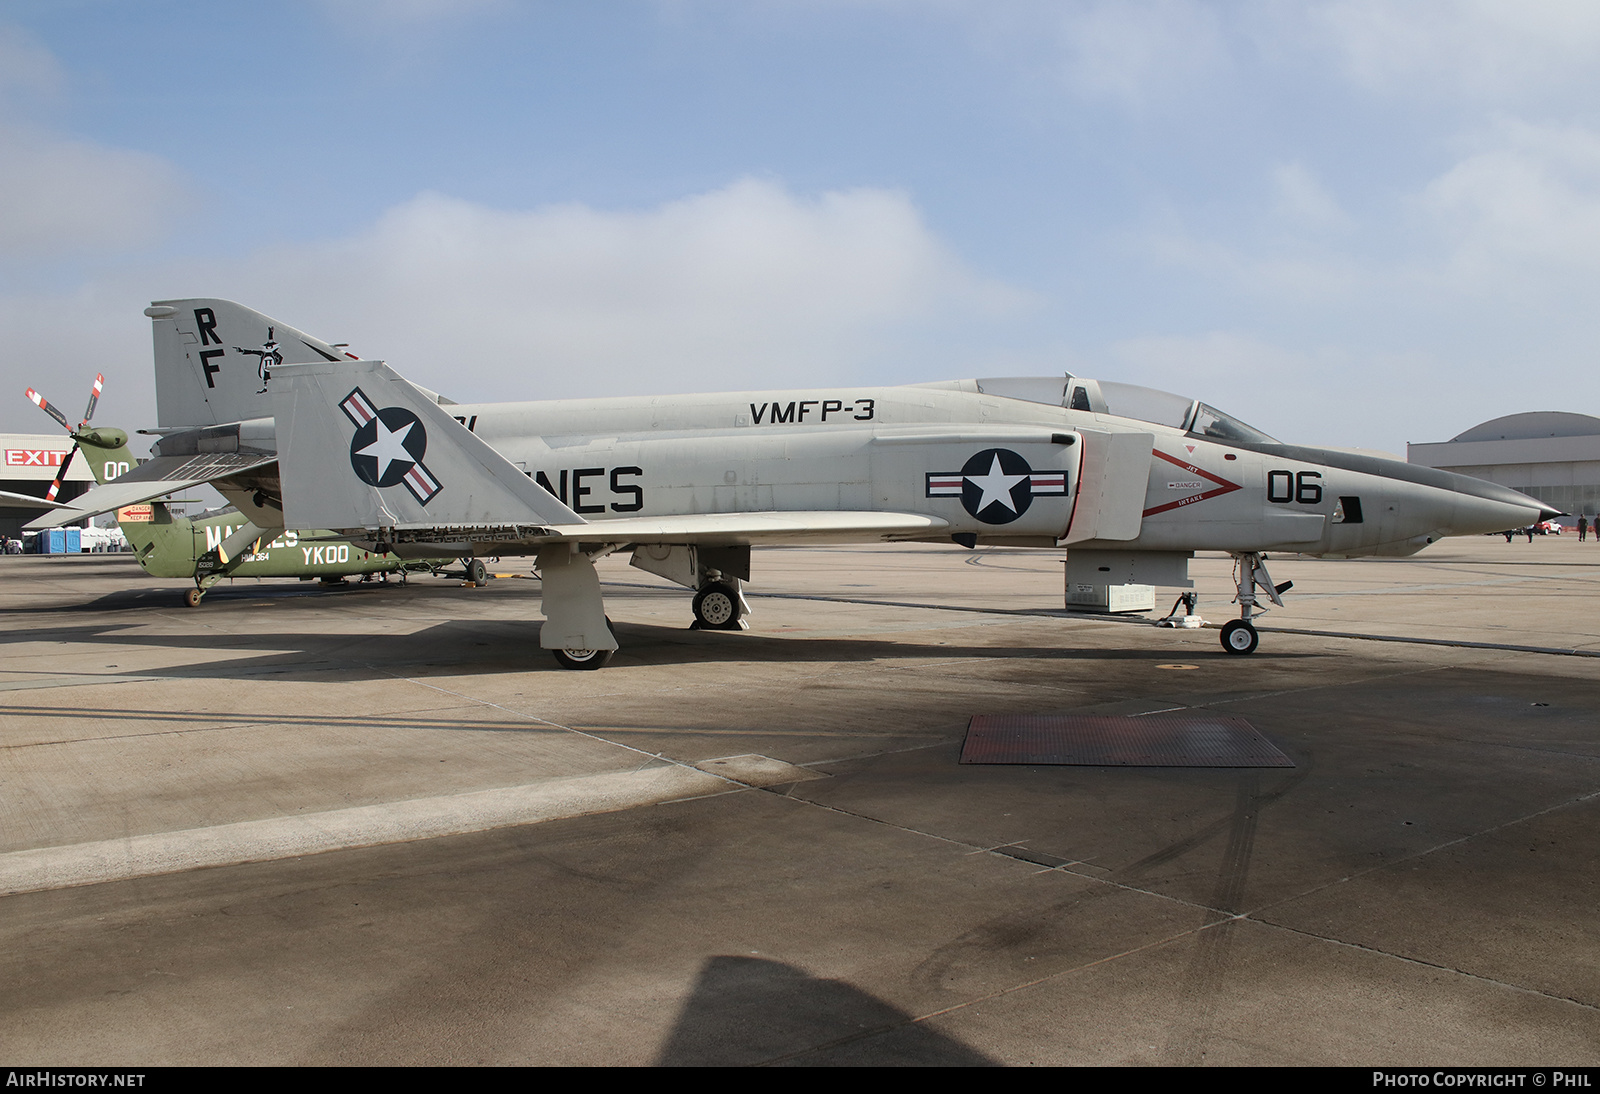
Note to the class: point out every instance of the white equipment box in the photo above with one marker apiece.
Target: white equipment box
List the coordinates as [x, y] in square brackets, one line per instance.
[1111, 598]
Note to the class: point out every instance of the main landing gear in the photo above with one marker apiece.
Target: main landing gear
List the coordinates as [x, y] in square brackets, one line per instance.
[576, 630]
[1239, 636]
[720, 606]
[582, 659]
[586, 659]
[716, 574]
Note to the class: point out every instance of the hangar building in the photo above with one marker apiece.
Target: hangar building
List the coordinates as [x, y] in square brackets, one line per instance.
[1552, 455]
[28, 464]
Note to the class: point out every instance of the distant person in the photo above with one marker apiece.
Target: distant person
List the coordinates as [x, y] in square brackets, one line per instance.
[1583, 529]
[1509, 533]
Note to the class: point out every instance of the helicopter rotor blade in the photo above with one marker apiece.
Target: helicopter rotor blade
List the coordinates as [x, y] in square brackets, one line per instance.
[44, 404]
[61, 476]
[94, 397]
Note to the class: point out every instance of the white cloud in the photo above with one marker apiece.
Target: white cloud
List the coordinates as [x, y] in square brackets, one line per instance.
[57, 342]
[64, 196]
[749, 285]
[25, 64]
[1293, 252]
[1139, 52]
[1456, 47]
[1229, 369]
[1524, 203]
[1302, 202]
[60, 196]
[1516, 215]
[1135, 53]
[1302, 395]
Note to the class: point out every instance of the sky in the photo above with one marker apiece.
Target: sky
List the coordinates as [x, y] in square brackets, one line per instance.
[1345, 222]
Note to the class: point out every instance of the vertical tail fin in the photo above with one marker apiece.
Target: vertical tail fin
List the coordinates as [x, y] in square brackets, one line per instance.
[211, 357]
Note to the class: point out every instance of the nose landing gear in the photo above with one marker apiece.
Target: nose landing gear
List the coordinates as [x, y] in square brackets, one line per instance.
[1239, 636]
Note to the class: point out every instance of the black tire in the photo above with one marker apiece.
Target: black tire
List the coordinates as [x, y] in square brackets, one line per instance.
[582, 659]
[716, 607]
[477, 572]
[192, 598]
[1239, 637]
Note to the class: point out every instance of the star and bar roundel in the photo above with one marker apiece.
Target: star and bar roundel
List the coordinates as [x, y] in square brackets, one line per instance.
[996, 485]
[388, 447]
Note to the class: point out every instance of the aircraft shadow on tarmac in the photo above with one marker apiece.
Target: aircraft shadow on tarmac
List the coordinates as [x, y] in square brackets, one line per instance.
[156, 599]
[469, 646]
[751, 1010]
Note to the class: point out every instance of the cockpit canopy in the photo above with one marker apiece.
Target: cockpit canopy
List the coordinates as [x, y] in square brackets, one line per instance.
[1143, 404]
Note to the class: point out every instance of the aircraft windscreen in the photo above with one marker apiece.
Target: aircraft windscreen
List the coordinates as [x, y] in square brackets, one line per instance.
[1211, 422]
[1034, 389]
[1146, 404]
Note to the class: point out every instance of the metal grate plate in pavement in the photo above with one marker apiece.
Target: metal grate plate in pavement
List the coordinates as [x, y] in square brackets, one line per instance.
[1185, 738]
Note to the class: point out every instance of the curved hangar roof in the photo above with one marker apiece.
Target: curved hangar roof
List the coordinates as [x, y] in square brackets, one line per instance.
[1532, 426]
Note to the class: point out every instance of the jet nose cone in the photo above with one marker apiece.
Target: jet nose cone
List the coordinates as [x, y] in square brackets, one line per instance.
[1475, 516]
[1488, 509]
[1476, 506]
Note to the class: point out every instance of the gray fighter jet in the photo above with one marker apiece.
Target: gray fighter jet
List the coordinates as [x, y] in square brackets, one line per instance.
[1130, 480]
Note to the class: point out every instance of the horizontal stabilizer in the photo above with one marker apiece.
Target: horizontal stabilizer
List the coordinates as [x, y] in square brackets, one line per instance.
[9, 500]
[155, 478]
[360, 447]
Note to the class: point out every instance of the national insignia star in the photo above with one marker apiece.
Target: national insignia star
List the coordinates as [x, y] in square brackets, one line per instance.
[388, 447]
[996, 486]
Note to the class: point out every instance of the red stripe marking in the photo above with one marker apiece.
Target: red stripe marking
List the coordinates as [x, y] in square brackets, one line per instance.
[358, 409]
[422, 482]
[1223, 485]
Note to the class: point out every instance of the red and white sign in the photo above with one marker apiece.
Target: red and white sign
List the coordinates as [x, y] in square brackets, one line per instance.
[34, 457]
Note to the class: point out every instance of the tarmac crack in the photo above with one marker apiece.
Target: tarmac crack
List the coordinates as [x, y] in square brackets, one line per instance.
[1409, 960]
[1435, 849]
[542, 721]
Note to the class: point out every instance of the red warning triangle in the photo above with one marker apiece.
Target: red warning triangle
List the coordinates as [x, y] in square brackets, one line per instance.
[1223, 485]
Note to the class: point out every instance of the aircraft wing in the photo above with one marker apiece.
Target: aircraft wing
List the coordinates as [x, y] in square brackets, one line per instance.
[727, 529]
[705, 529]
[153, 479]
[9, 500]
[772, 529]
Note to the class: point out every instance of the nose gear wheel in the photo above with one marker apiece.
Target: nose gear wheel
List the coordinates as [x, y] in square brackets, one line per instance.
[1239, 637]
